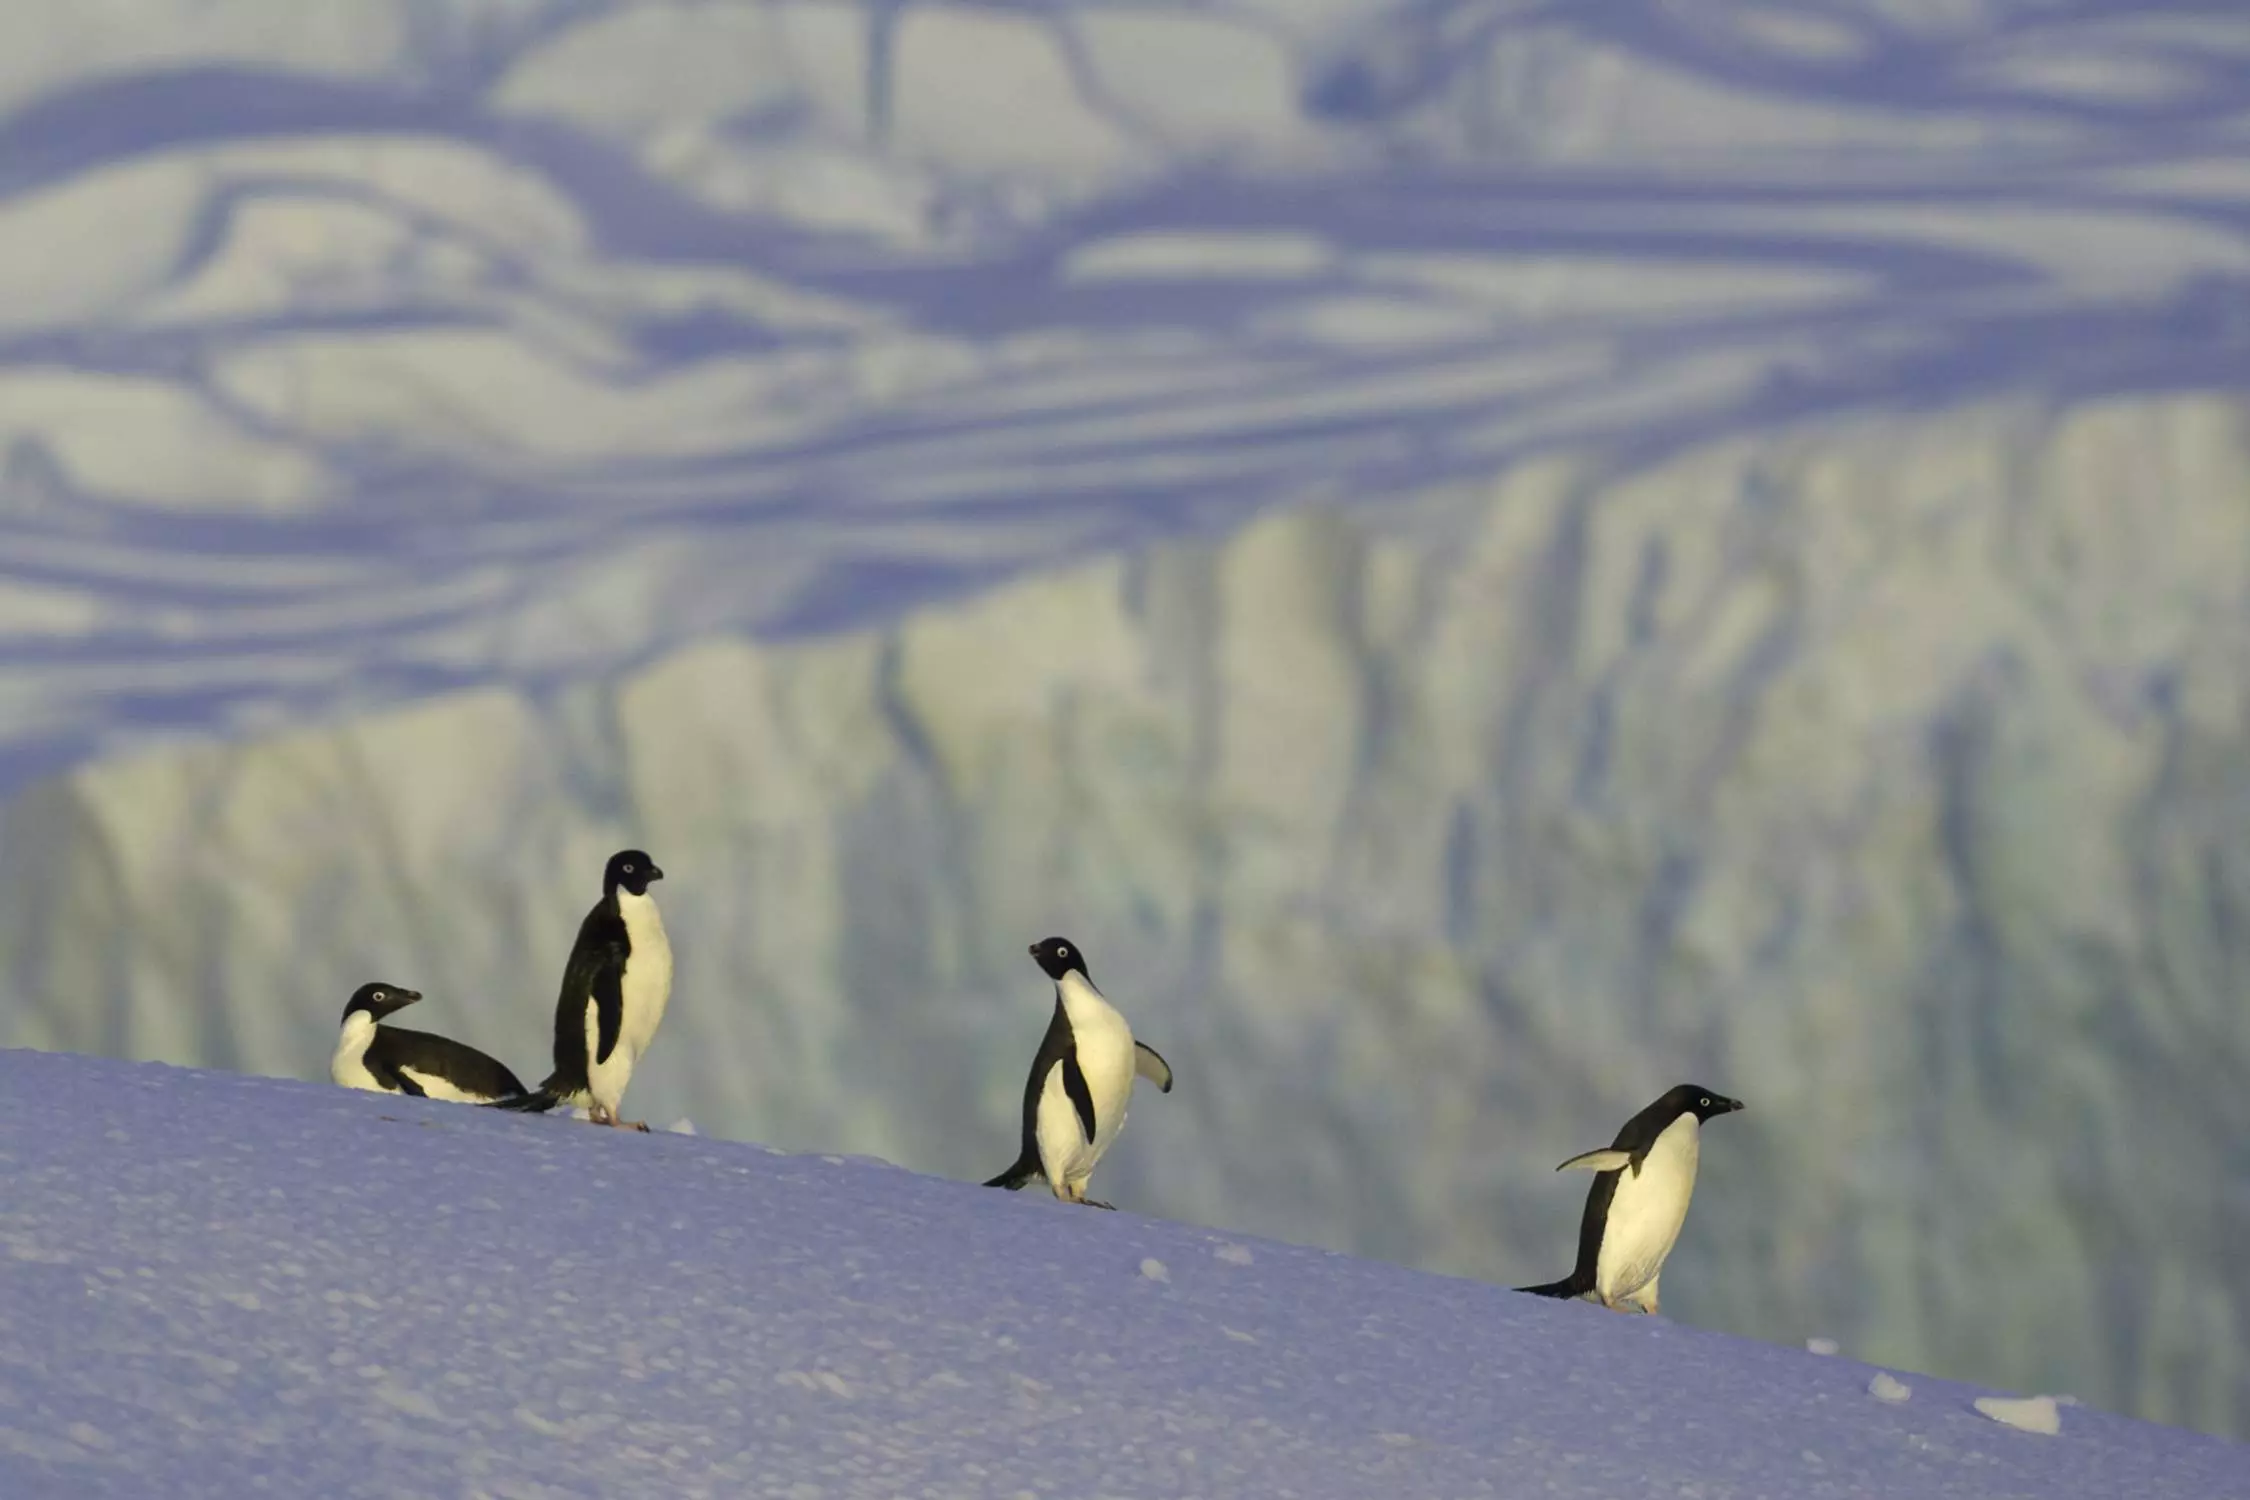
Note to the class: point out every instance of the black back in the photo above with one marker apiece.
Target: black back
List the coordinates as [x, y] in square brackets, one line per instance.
[395, 1049]
[594, 976]
[1636, 1137]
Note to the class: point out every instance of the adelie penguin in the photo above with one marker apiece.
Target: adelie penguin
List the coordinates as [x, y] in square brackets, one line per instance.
[393, 1060]
[614, 991]
[1639, 1200]
[1074, 1102]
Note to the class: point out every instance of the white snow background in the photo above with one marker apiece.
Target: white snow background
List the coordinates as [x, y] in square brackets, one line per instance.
[220, 1286]
[1483, 558]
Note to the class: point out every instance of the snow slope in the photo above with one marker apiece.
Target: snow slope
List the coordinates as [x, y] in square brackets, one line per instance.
[1482, 557]
[216, 1285]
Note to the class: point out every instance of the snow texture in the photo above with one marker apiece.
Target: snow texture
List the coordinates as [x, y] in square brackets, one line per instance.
[1483, 559]
[213, 1284]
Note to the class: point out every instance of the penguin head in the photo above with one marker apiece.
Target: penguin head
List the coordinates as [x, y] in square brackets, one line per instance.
[379, 1000]
[630, 871]
[1694, 1099]
[1059, 956]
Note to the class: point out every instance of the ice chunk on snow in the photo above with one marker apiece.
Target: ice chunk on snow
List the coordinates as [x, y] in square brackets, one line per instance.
[1234, 1255]
[1888, 1388]
[682, 1126]
[1822, 1345]
[1155, 1270]
[2025, 1413]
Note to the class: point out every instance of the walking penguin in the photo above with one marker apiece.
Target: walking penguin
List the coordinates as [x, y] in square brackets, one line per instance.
[1074, 1101]
[1639, 1200]
[614, 991]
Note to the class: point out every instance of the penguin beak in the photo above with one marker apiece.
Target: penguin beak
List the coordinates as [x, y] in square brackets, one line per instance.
[654, 873]
[404, 998]
[1033, 950]
[1733, 1105]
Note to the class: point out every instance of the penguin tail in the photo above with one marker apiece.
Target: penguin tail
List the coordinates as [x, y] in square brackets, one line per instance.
[1022, 1174]
[1569, 1286]
[537, 1102]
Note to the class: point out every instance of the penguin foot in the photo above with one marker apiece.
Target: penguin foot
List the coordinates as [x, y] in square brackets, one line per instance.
[603, 1115]
[1097, 1203]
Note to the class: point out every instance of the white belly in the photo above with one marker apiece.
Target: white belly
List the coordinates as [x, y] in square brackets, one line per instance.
[347, 1066]
[646, 990]
[438, 1088]
[1104, 1045]
[1646, 1212]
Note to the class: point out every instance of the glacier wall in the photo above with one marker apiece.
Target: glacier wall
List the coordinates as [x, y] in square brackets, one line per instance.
[1893, 774]
[1483, 558]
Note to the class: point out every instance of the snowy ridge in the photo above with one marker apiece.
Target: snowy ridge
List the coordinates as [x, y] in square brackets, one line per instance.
[383, 1296]
[1743, 578]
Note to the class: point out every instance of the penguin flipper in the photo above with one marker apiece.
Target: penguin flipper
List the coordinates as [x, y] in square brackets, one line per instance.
[609, 1008]
[393, 1077]
[1022, 1174]
[1608, 1159]
[594, 976]
[1081, 1097]
[1150, 1064]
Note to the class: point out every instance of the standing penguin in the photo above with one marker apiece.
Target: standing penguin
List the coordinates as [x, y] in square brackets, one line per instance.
[614, 991]
[1074, 1101]
[393, 1060]
[1639, 1200]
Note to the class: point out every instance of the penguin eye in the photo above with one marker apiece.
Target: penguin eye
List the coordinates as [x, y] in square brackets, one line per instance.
[628, 869]
[1706, 1104]
[1063, 951]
